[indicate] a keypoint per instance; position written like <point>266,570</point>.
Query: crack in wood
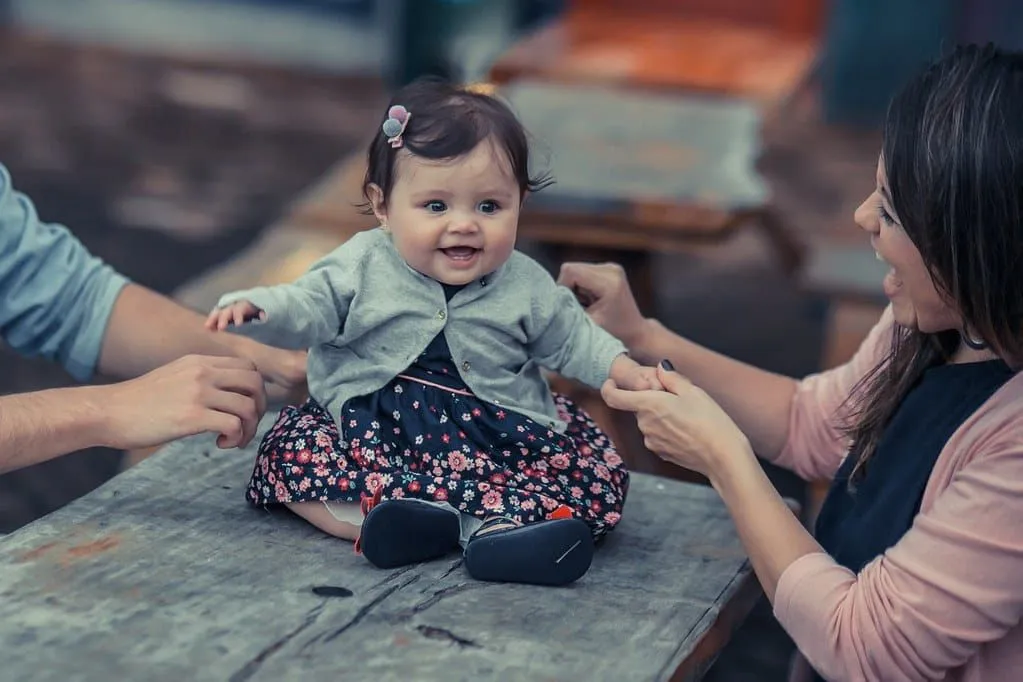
<point>253,666</point>
<point>432,632</point>
<point>442,594</point>
<point>357,618</point>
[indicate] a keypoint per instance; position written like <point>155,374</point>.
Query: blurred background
<point>716,148</point>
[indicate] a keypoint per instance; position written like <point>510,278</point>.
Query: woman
<point>916,571</point>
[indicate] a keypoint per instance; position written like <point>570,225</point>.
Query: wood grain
<point>166,573</point>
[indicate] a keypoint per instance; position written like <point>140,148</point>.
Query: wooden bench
<point>166,573</point>
<point>761,50</point>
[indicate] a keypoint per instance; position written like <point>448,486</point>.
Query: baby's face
<point>454,220</point>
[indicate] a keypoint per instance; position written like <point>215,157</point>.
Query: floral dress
<point>426,436</point>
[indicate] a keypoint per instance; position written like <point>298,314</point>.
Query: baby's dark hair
<point>445,122</point>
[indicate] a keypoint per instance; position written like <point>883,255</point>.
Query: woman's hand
<point>604,291</point>
<point>682,424</point>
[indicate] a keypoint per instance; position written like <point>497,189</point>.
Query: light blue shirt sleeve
<point>55,297</point>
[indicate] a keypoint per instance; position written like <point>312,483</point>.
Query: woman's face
<point>916,302</point>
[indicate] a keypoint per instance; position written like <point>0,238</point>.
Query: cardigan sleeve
<point>312,309</point>
<point>563,338</point>
<point>923,608</point>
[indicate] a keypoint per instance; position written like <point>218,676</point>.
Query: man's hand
<point>194,394</point>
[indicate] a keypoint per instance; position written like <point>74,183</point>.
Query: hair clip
<point>481,88</point>
<point>394,126</point>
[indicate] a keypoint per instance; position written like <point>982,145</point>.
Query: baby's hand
<point>238,313</point>
<point>630,375</point>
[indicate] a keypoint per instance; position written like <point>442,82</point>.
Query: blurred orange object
<point>761,49</point>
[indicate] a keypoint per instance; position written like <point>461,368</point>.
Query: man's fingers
<point>229,427</point>
<point>242,407</point>
<point>247,382</point>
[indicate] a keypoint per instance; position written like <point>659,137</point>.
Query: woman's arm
<point>757,400</point>
<point>921,609</point>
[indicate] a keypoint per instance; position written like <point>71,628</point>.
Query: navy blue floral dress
<point>425,435</point>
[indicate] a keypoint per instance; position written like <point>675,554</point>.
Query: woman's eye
<point>435,206</point>
<point>489,206</point>
<point>885,216</point>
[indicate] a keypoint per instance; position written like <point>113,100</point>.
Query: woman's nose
<point>866,215</point>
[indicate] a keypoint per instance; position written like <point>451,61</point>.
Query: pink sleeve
<point>923,608</point>
<point>814,447</point>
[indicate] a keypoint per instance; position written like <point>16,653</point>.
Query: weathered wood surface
<point>165,573</point>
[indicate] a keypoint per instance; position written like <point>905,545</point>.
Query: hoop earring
<point>971,342</point>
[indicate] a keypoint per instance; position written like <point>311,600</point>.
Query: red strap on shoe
<point>562,512</point>
<point>366,503</point>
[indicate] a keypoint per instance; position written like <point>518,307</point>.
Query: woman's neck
<point>965,355</point>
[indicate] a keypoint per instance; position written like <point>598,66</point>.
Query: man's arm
<point>191,395</point>
<point>147,330</point>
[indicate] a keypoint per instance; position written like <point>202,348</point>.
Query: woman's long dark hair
<point>953,154</point>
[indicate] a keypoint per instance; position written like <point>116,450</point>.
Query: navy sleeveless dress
<point>425,435</point>
<point>857,524</point>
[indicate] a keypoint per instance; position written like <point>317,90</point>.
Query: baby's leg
<point>340,519</point>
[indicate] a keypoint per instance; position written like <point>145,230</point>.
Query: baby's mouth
<point>460,252</point>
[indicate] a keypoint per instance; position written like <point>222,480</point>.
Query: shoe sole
<point>402,532</point>
<point>552,553</point>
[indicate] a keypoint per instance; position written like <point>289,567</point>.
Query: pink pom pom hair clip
<point>394,126</point>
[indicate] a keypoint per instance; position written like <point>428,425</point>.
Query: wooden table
<point>166,573</point>
<point>748,50</point>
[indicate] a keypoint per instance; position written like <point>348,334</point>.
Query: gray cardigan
<point>365,316</point>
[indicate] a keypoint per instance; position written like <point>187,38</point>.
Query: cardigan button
<point>441,314</point>
<point>466,366</point>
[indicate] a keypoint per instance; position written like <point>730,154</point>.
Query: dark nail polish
<point>666,364</point>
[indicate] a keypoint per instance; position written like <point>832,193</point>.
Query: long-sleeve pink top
<point>945,602</point>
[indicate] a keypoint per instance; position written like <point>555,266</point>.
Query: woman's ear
<point>376,199</point>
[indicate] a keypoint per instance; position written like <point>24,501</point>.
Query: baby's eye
<point>489,206</point>
<point>435,206</point>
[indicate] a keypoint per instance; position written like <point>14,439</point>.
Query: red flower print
<point>304,456</point>
<point>288,455</point>
<point>498,479</point>
<point>560,461</point>
<point>457,461</point>
<point>343,483</point>
<point>612,518</point>
<point>492,500</point>
<point>577,475</point>
<point>501,414</point>
<point>446,438</point>
<point>586,451</point>
<point>440,494</point>
<point>414,487</point>
<point>595,506</point>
